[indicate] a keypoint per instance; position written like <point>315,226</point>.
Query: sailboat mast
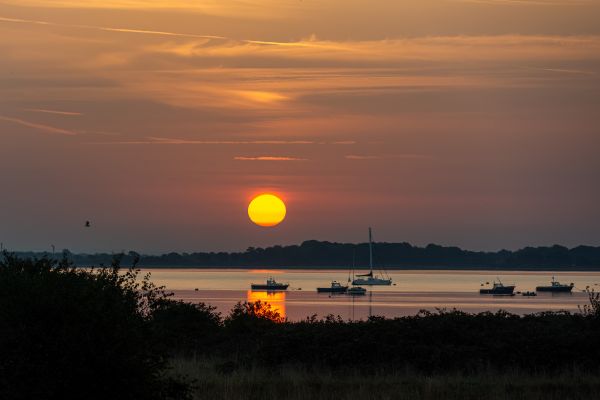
<point>370,253</point>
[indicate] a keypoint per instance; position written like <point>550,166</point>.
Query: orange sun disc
<point>266,210</point>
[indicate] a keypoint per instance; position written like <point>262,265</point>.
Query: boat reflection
<point>275,299</point>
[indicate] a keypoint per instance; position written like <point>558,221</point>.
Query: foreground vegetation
<point>291,382</point>
<point>105,333</point>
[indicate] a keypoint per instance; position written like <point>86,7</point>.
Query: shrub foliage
<point>85,333</point>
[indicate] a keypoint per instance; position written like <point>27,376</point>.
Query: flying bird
<point>87,224</point>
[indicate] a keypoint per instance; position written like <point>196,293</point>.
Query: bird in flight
<point>87,224</point>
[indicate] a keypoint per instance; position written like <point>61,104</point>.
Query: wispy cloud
<point>344,142</point>
<point>110,29</point>
<point>175,141</point>
<point>387,156</point>
<point>41,127</point>
<point>563,70</point>
<point>269,158</point>
<point>152,140</point>
<point>242,8</point>
<point>528,2</point>
<point>57,112</point>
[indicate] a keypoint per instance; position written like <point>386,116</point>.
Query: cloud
<point>41,127</point>
<point>269,158</point>
<point>565,71</point>
<point>175,141</point>
<point>110,29</point>
<point>387,156</point>
<point>241,8</point>
<point>57,112</point>
<point>528,2</point>
<point>344,142</point>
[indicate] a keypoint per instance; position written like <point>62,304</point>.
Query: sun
<point>266,210</point>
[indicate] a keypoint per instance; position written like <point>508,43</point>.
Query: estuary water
<point>413,290</point>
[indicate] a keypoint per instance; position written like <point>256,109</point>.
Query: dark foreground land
<point>105,333</point>
<point>300,384</point>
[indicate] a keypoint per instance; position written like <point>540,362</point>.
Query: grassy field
<point>222,380</point>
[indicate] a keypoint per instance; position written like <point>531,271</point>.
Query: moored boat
<point>271,285</point>
<point>556,287</point>
<point>335,287</point>
<point>498,288</point>
<point>356,291</point>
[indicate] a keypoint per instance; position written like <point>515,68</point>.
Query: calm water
<point>413,291</point>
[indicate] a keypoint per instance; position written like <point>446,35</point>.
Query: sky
<point>472,123</point>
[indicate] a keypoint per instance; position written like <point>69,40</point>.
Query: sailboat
<point>370,279</point>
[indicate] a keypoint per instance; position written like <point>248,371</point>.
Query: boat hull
<point>554,289</point>
<point>506,290</point>
<point>356,292</point>
<point>372,282</point>
<point>342,289</point>
<point>269,288</point>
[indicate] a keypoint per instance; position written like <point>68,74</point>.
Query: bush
<point>180,326</point>
<point>592,309</point>
<point>73,333</point>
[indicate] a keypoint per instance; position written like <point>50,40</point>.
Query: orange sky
<point>470,123</point>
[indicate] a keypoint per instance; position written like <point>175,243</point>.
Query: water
<point>412,291</point>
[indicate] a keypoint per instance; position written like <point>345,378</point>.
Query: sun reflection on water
<point>275,299</point>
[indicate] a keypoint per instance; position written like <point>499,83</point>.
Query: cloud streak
<point>110,29</point>
<point>388,156</point>
<point>175,141</point>
<point>528,2</point>
<point>269,158</point>
<point>56,112</point>
<point>40,127</point>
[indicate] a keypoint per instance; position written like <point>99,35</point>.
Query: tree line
<point>313,253</point>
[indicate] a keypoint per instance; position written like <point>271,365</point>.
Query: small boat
<point>369,278</point>
<point>498,288</point>
<point>356,291</point>
<point>529,294</point>
<point>271,285</point>
<point>335,287</point>
<point>556,287</point>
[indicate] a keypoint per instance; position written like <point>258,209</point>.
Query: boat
<point>271,285</point>
<point>529,294</point>
<point>369,279</point>
<point>335,287</point>
<point>498,288</point>
<point>556,287</point>
<point>356,291</point>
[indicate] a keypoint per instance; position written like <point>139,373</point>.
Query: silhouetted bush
<point>182,326</point>
<point>443,341</point>
<point>247,327</point>
<point>74,333</point>
<point>592,309</point>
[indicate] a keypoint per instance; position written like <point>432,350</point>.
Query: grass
<point>214,379</point>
